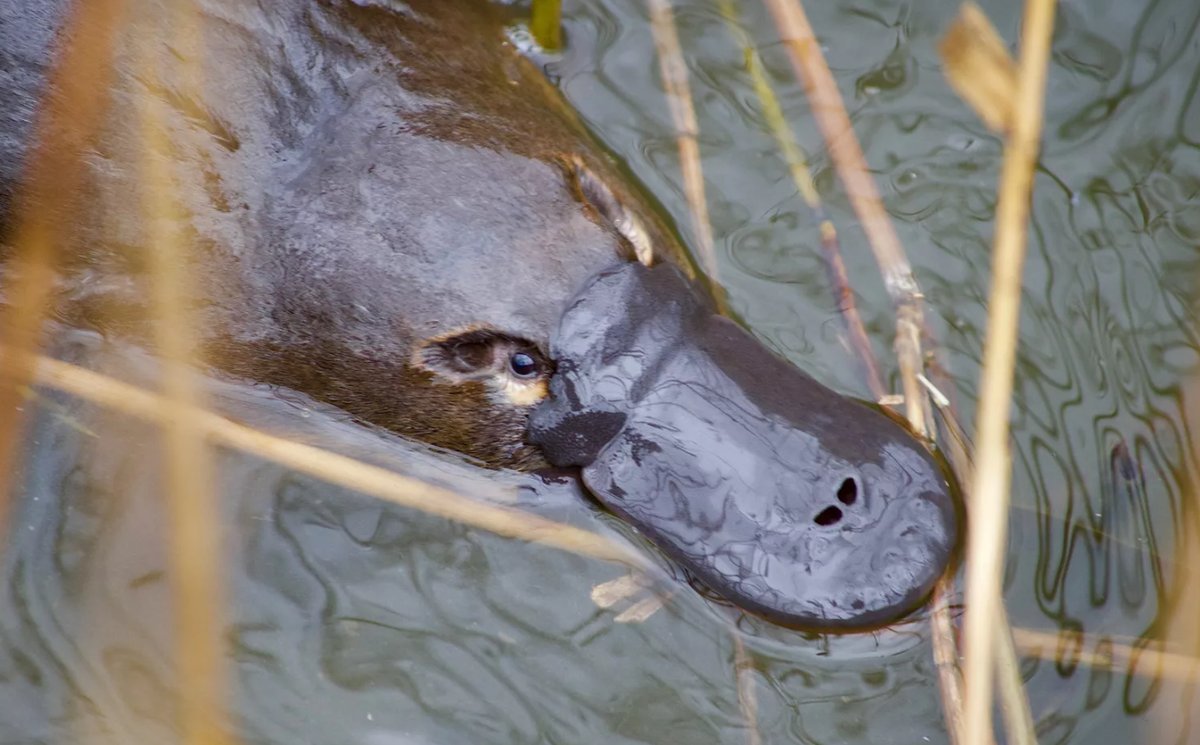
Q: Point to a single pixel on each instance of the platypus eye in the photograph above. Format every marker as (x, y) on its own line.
(482, 354)
(522, 365)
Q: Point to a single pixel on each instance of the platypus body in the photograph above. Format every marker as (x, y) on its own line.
(391, 210)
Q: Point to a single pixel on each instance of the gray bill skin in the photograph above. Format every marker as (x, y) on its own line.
(787, 499)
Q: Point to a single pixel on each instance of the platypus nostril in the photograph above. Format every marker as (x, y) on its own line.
(847, 493)
(828, 516)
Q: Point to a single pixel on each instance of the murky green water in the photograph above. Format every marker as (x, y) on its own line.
(356, 622)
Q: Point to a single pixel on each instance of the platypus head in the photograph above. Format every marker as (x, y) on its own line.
(386, 216)
(781, 495)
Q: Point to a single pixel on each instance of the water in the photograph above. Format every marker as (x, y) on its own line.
(1107, 336)
(352, 621)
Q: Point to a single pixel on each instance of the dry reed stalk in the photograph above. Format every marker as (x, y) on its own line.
(195, 545)
(78, 86)
(674, 74)
(798, 167)
(945, 650)
(834, 123)
(990, 487)
(902, 287)
(981, 71)
(945, 659)
(337, 469)
(957, 445)
(1173, 726)
(839, 280)
(979, 67)
(1014, 704)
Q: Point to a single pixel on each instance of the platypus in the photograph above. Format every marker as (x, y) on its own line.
(392, 210)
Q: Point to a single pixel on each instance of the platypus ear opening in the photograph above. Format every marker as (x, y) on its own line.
(459, 356)
(592, 191)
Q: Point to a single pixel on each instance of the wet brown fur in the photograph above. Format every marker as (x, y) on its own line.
(357, 180)
(456, 416)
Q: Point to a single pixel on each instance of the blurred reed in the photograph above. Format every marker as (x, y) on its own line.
(336, 469)
(979, 68)
(1069, 647)
(1181, 630)
(79, 79)
(196, 577)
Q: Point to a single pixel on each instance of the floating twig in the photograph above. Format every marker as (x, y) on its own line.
(607, 594)
(640, 611)
(634, 590)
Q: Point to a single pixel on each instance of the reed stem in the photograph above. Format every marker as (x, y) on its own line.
(195, 545)
(79, 83)
(990, 488)
(673, 71)
(545, 24)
